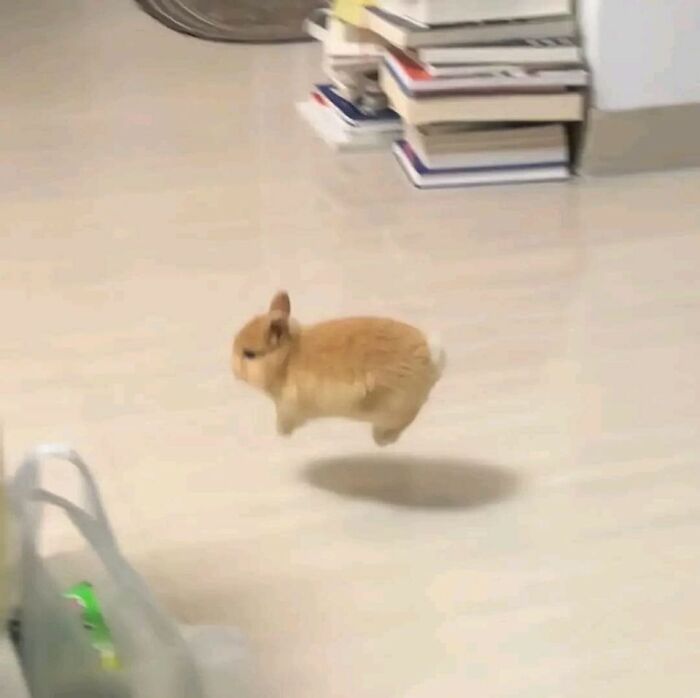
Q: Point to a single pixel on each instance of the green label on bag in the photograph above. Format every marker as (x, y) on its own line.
(83, 595)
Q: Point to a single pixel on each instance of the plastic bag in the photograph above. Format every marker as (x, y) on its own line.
(58, 657)
(224, 661)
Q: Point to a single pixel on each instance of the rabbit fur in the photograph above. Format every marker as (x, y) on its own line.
(375, 370)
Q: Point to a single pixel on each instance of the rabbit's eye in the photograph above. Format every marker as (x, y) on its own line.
(249, 354)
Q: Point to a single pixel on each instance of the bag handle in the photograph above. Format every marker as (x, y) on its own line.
(90, 520)
(27, 480)
(104, 545)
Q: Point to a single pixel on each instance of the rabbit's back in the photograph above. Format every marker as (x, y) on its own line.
(352, 366)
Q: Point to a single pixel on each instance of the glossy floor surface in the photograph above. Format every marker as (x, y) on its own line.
(534, 534)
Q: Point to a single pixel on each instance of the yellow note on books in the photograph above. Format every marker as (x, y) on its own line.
(351, 11)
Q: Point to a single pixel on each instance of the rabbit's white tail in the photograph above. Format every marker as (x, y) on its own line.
(437, 353)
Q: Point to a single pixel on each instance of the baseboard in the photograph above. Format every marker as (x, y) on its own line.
(662, 138)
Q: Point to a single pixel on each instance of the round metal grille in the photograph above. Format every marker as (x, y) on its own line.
(250, 21)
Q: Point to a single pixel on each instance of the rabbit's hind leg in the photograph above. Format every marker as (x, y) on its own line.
(387, 429)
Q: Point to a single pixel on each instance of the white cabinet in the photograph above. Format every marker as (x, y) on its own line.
(643, 53)
(645, 60)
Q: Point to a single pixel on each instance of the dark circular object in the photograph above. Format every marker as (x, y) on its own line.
(244, 21)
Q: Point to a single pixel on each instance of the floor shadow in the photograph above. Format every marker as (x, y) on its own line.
(412, 482)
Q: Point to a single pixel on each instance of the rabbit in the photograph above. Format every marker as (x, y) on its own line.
(369, 369)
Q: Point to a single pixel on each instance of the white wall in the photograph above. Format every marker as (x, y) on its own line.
(643, 53)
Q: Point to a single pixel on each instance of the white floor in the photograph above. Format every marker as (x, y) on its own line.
(534, 534)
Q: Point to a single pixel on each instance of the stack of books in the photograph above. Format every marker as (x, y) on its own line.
(349, 112)
(484, 87)
(464, 91)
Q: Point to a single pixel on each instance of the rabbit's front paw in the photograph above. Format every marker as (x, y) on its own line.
(287, 421)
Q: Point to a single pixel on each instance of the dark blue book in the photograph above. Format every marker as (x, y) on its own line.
(351, 114)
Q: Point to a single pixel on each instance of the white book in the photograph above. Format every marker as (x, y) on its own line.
(342, 40)
(316, 24)
(511, 79)
(432, 12)
(470, 71)
(417, 79)
(557, 51)
(399, 32)
(349, 65)
(567, 77)
(452, 79)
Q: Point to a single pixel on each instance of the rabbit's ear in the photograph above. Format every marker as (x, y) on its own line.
(281, 304)
(277, 328)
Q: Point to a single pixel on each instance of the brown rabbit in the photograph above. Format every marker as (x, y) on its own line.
(369, 369)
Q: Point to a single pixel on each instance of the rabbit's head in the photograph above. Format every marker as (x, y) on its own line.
(261, 348)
